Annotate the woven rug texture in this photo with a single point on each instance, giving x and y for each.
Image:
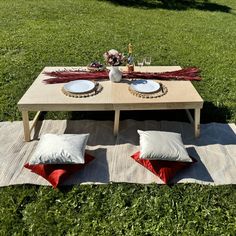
(215, 152)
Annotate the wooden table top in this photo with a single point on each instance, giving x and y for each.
(49, 97)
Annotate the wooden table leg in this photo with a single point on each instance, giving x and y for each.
(35, 121)
(25, 117)
(197, 122)
(189, 116)
(116, 122)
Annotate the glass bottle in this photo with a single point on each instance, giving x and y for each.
(130, 59)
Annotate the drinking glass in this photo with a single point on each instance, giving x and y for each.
(148, 61)
(140, 62)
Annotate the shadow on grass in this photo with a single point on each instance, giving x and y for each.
(209, 113)
(176, 115)
(204, 5)
(212, 113)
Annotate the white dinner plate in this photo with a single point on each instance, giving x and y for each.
(145, 86)
(79, 86)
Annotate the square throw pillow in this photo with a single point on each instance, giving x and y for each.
(60, 149)
(160, 145)
(57, 173)
(165, 170)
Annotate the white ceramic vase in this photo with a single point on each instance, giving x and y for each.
(115, 75)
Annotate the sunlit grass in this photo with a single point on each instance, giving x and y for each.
(35, 34)
(119, 209)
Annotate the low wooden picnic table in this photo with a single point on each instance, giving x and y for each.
(114, 96)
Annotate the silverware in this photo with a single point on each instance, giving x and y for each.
(96, 88)
(162, 88)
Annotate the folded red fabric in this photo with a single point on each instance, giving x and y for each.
(165, 170)
(191, 73)
(57, 173)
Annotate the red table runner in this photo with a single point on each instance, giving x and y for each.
(191, 73)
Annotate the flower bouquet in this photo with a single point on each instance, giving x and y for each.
(114, 58)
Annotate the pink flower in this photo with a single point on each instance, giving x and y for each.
(114, 58)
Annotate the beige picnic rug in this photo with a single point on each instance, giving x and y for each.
(215, 151)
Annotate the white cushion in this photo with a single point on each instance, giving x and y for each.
(159, 145)
(60, 149)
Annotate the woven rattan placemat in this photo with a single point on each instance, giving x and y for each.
(98, 88)
(159, 93)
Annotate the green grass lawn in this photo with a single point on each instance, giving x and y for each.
(118, 209)
(35, 34)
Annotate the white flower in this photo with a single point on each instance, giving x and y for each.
(113, 52)
(114, 58)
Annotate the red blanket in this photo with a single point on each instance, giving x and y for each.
(191, 73)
